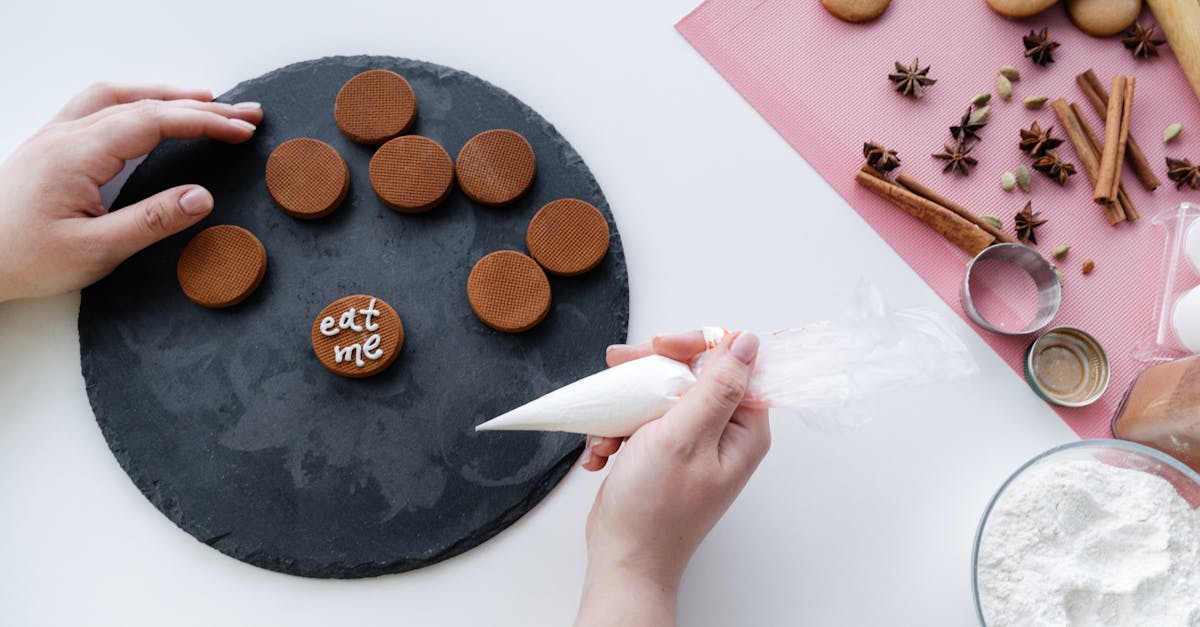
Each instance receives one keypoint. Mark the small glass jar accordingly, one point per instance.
(1162, 410)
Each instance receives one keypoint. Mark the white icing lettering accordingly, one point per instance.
(345, 353)
(329, 326)
(367, 313)
(371, 348)
(347, 321)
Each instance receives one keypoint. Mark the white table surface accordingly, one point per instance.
(723, 223)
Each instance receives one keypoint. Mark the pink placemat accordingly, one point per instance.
(823, 85)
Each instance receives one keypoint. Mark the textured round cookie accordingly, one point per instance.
(495, 167)
(375, 106)
(509, 291)
(1020, 8)
(221, 266)
(567, 237)
(856, 10)
(307, 178)
(411, 173)
(1103, 18)
(357, 336)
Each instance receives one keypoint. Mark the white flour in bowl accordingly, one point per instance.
(1084, 543)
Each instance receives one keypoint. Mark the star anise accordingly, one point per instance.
(880, 158)
(1027, 222)
(956, 158)
(1050, 165)
(1039, 47)
(967, 129)
(1141, 41)
(1182, 172)
(1037, 142)
(911, 80)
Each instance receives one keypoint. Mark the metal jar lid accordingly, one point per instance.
(1066, 366)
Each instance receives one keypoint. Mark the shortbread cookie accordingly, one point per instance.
(856, 10)
(375, 106)
(495, 167)
(307, 178)
(357, 336)
(221, 266)
(412, 174)
(1020, 8)
(1103, 18)
(509, 291)
(567, 237)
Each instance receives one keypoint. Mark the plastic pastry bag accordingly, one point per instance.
(820, 371)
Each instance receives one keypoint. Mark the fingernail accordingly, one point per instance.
(248, 106)
(614, 347)
(745, 347)
(587, 455)
(196, 201)
(242, 124)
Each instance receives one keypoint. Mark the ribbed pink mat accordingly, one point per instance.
(823, 85)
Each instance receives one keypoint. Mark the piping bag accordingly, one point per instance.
(821, 371)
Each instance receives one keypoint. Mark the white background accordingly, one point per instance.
(723, 223)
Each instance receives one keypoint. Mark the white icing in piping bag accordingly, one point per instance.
(820, 371)
(612, 402)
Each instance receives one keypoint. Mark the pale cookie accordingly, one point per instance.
(856, 10)
(1103, 18)
(1020, 8)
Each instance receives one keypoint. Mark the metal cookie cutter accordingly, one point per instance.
(1044, 278)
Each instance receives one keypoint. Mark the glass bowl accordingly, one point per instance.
(1113, 452)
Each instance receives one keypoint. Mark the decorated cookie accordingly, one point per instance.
(221, 266)
(412, 173)
(508, 291)
(856, 10)
(495, 167)
(375, 106)
(357, 336)
(307, 178)
(1102, 18)
(1020, 8)
(567, 237)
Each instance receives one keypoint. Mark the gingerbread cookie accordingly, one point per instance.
(375, 106)
(495, 167)
(1020, 8)
(357, 336)
(567, 237)
(856, 10)
(508, 291)
(412, 174)
(221, 266)
(1103, 18)
(307, 178)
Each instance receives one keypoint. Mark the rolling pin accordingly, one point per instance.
(1180, 22)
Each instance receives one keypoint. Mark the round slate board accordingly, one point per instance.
(227, 422)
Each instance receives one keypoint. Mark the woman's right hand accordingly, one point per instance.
(671, 482)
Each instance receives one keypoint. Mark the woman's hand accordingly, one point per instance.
(55, 234)
(673, 480)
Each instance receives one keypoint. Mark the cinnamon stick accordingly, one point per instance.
(956, 229)
(1098, 96)
(1124, 203)
(1111, 158)
(1087, 153)
(925, 192)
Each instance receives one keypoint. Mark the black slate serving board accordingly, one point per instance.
(228, 423)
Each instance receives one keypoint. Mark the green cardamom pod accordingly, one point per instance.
(1004, 87)
(981, 99)
(1008, 181)
(992, 220)
(1035, 102)
(1023, 178)
(1010, 73)
(1172, 132)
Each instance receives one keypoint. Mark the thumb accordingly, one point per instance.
(130, 229)
(706, 408)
